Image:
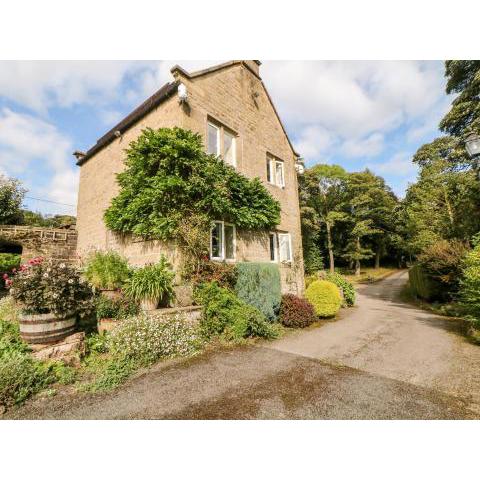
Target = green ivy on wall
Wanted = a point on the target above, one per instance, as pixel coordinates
(169, 177)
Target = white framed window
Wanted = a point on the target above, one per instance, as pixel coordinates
(229, 148)
(222, 241)
(275, 171)
(280, 246)
(222, 142)
(285, 247)
(213, 140)
(273, 245)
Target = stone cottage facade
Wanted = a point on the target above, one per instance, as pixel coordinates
(230, 107)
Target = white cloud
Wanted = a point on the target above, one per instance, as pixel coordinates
(367, 147)
(314, 141)
(39, 85)
(400, 165)
(357, 102)
(29, 145)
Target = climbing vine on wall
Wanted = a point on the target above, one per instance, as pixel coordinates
(169, 176)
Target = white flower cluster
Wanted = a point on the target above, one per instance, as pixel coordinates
(148, 339)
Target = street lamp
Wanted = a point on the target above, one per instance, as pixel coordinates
(472, 143)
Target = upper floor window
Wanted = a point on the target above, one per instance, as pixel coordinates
(221, 142)
(275, 171)
(222, 241)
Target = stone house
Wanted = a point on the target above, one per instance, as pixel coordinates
(230, 107)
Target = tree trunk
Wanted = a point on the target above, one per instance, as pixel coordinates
(357, 262)
(449, 207)
(330, 248)
(377, 257)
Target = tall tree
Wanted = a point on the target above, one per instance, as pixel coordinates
(463, 78)
(370, 207)
(444, 203)
(322, 193)
(11, 198)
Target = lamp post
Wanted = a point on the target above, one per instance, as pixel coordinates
(472, 144)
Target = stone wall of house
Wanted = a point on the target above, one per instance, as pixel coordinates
(55, 243)
(235, 98)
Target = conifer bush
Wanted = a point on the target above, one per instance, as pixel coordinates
(258, 284)
(325, 298)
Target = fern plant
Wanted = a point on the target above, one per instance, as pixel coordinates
(153, 282)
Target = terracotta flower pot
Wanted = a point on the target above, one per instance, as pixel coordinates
(148, 304)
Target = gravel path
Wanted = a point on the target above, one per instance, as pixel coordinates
(383, 359)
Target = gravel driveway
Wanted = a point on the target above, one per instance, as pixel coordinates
(383, 359)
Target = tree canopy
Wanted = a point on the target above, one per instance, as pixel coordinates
(11, 198)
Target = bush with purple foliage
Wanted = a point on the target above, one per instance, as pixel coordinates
(296, 312)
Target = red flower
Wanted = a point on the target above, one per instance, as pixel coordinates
(5, 276)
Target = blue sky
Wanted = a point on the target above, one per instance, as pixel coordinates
(357, 114)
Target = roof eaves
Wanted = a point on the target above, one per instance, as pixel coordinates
(147, 106)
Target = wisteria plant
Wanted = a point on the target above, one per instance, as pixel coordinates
(50, 286)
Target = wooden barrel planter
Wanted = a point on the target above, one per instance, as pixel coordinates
(46, 328)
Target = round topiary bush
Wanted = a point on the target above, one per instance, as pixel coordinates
(296, 312)
(325, 298)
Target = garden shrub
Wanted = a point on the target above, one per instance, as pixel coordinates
(224, 274)
(151, 282)
(344, 285)
(470, 287)
(325, 298)
(116, 308)
(296, 312)
(423, 285)
(8, 262)
(106, 270)
(8, 309)
(258, 284)
(20, 374)
(227, 315)
(442, 262)
(146, 339)
(50, 286)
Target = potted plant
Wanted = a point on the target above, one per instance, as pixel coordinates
(109, 311)
(107, 271)
(51, 295)
(151, 285)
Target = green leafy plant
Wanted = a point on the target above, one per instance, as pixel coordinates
(470, 288)
(8, 309)
(9, 261)
(442, 262)
(168, 176)
(116, 308)
(224, 274)
(50, 286)
(258, 284)
(344, 285)
(151, 282)
(296, 312)
(107, 270)
(226, 315)
(325, 298)
(147, 339)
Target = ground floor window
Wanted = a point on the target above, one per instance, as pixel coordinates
(222, 241)
(280, 247)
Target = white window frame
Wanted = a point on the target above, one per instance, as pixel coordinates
(289, 237)
(277, 250)
(234, 147)
(272, 170)
(223, 244)
(217, 128)
(275, 247)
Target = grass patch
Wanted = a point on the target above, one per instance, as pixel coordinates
(370, 275)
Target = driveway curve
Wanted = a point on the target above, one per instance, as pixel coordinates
(383, 359)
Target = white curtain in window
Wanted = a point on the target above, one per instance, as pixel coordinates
(284, 246)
